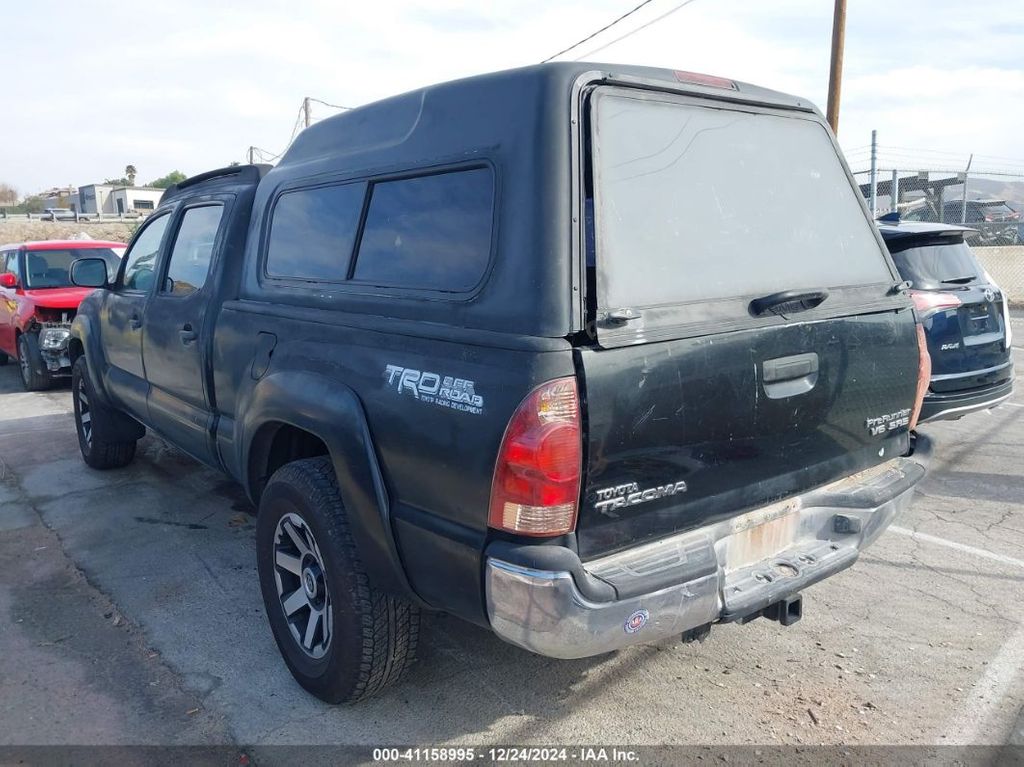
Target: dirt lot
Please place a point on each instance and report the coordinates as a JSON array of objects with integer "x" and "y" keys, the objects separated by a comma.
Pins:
[
  {"x": 21, "y": 229},
  {"x": 131, "y": 614}
]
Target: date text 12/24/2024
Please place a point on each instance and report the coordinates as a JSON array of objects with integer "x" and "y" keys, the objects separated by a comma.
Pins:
[{"x": 493, "y": 754}]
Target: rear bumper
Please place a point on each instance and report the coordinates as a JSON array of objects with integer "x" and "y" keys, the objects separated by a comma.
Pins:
[
  {"x": 543, "y": 599},
  {"x": 947, "y": 406}
]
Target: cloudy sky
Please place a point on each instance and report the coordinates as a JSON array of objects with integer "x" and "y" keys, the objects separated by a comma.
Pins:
[{"x": 190, "y": 85}]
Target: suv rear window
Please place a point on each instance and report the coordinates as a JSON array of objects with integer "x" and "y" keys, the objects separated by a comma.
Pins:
[
  {"x": 936, "y": 265},
  {"x": 429, "y": 232},
  {"x": 700, "y": 203}
]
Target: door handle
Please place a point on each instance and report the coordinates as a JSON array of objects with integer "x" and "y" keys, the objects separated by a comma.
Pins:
[
  {"x": 187, "y": 335},
  {"x": 789, "y": 376},
  {"x": 134, "y": 322}
]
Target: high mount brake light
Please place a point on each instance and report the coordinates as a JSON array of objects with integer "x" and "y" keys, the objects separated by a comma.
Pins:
[
  {"x": 924, "y": 375},
  {"x": 696, "y": 78},
  {"x": 926, "y": 301},
  {"x": 536, "y": 485}
]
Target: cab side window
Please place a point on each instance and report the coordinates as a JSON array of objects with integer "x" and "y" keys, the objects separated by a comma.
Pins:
[
  {"x": 193, "y": 249},
  {"x": 140, "y": 260}
]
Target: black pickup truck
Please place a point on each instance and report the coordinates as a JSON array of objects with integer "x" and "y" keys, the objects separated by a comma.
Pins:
[{"x": 590, "y": 355}]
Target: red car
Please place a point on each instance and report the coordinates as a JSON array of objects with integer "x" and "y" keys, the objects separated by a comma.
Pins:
[{"x": 38, "y": 302}]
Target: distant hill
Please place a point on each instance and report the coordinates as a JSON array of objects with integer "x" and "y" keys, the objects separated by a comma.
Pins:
[{"x": 1001, "y": 189}]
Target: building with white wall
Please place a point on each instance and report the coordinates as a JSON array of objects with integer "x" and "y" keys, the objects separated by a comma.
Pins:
[{"x": 106, "y": 198}]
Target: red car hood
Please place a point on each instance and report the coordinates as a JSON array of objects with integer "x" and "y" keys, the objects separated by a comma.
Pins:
[{"x": 57, "y": 298}]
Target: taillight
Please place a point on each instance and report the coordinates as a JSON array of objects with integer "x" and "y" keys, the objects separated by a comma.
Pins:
[
  {"x": 926, "y": 301},
  {"x": 924, "y": 375},
  {"x": 536, "y": 485}
]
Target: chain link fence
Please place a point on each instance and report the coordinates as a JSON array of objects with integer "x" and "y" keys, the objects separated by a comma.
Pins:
[{"x": 989, "y": 201}]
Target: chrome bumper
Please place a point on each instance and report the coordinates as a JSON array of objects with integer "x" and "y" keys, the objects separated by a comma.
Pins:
[{"x": 710, "y": 572}]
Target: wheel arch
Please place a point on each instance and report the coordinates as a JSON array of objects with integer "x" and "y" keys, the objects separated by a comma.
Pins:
[
  {"x": 295, "y": 414},
  {"x": 86, "y": 342}
]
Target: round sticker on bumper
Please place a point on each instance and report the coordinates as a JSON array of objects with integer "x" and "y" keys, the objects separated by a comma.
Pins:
[{"x": 636, "y": 621}]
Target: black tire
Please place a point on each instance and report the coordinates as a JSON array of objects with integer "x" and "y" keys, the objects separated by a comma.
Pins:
[
  {"x": 372, "y": 638},
  {"x": 4, "y": 359},
  {"x": 94, "y": 422},
  {"x": 33, "y": 372}
]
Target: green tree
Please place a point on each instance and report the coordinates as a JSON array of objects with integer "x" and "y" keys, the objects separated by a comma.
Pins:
[
  {"x": 31, "y": 204},
  {"x": 130, "y": 172},
  {"x": 117, "y": 182},
  {"x": 174, "y": 177}
]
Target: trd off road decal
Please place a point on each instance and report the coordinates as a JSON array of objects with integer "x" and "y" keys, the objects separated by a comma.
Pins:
[{"x": 436, "y": 389}]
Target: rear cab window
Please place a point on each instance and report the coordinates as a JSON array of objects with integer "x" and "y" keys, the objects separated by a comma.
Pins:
[{"x": 695, "y": 203}]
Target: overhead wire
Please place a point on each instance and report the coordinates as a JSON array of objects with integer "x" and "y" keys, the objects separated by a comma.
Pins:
[
  {"x": 591, "y": 36},
  {"x": 642, "y": 27}
]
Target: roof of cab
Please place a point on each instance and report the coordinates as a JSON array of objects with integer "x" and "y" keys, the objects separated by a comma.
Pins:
[{"x": 392, "y": 121}]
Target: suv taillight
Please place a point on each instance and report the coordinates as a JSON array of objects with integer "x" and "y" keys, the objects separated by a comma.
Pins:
[
  {"x": 927, "y": 301},
  {"x": 924, "y": 375},
  {"x": 536, "y": 484}
]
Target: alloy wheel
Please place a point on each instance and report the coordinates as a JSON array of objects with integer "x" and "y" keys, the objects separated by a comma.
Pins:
[
  {"x": 24, "y": 363},
  {"x": 84, "y": 414},
  {"x": 302, "y": 586}
]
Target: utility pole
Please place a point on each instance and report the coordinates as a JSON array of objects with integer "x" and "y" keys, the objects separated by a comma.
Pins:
[
  {"x": 251, "y": 152},
  {"x": 305, "y": 110},
  {"x": 874, "y": 174},
  {"x": 835, "y": 73},
  {"x": 894, "y": 191}
]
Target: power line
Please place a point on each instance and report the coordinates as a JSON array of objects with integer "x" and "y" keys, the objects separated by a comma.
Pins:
[
  {"x": 638, "y": 29},
  {"x": 595, "y": 34}
]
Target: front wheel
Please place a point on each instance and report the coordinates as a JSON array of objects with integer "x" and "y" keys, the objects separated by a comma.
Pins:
[
  {"x": 342, "y": 639},
  {"x": 4, "y": 359},
  {"x": 95, "y": 423},
  {"x": 33, "y": 373}
]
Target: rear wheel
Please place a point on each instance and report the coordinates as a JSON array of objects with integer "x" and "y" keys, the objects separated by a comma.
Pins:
[
  {"x": 4, "y": 359},
  {"x": 94, "y": 423},
  {"x": 342, "y": 639},
  {"x": 33, "y": 372}
]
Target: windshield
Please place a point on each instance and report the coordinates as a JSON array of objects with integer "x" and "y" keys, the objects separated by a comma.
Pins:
[
  {"x": 934, "y": 266},
  {"x": 699, "y": 203},
  {"x": 51, "y": 268}
]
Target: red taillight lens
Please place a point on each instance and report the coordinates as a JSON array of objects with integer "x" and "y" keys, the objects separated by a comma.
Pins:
[
  {"x": 536, "y": 483},
  {"x": 924, "y": 375},
  {"x": 926, "y": 301}
]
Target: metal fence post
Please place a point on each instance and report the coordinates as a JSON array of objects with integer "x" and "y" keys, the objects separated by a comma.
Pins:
[{"x": 874, "y": 174}]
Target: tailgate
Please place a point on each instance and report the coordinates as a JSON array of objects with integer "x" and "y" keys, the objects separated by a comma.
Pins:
[
  {"x": 685, "y": 432},
  {"x": 748, "y": 343}
]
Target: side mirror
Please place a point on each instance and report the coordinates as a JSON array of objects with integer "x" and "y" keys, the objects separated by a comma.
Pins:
[
  {"x": 8, "y": 280},
  {"x": 89, "y": 273}
]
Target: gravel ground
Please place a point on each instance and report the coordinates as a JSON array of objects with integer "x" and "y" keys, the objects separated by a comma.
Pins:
[
  {"x": 22, "y": 230},
  {"x": 150, "y": 571}
]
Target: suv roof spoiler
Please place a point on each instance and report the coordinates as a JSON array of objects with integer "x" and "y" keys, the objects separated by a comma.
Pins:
[{"x": 245, "y": 173}]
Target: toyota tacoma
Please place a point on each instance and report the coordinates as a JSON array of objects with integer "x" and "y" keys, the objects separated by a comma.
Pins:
[{"x": 589, "y": 355}]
